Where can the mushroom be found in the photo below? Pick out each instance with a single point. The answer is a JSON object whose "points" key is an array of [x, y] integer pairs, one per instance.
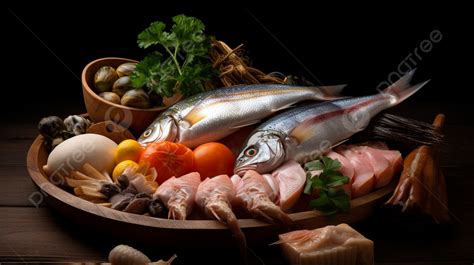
{"points": [[156, 208], [139, 204], [120, 201]]}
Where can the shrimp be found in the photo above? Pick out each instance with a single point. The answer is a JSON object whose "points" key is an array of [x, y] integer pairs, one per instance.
{"points": [[178, 195], [256, 196], [214, 197]]}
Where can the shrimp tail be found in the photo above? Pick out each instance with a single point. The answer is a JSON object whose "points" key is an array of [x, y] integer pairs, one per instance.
{"points": [[177, 212], [263, 207], [223, 213]]}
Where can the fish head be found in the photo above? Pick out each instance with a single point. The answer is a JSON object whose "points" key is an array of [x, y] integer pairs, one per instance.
{"points": [[263, 152], [162, 129]]}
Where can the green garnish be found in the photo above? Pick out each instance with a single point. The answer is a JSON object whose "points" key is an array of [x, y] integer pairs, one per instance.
{"points": [[185, 64], [329, 182]]}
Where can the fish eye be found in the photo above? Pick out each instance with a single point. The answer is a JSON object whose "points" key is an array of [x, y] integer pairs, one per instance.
{"points": [[147, 132], [251, 151]]}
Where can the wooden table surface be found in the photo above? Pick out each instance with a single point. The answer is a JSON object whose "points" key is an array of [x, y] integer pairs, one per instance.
{"points": [[30, 233]]}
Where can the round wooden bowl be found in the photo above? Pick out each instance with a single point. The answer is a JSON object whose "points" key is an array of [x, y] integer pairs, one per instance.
{"points": [[161, 231], [135, 119]]}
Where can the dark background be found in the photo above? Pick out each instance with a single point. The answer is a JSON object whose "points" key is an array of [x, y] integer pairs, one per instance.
{"points": [[47, 49]]}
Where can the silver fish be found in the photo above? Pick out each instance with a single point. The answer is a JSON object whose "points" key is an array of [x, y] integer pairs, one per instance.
{"points": [[212, 115], [306, 132]]}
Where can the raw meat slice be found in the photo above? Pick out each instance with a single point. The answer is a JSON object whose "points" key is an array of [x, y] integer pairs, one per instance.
{"points": [[290, 178], [330, 245]]}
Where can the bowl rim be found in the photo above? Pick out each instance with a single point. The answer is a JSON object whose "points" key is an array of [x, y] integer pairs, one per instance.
{"points": [[42, 181], [90, 91]]}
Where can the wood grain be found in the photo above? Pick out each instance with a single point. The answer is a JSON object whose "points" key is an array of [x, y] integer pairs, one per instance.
{"points": [[31, 234], [147, 229], [17, 189]]}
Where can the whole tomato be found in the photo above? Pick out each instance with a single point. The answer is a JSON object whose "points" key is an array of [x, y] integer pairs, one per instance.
{"points": [[213, 159], [169, 159]]}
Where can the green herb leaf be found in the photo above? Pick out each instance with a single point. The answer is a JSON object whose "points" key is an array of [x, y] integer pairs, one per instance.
{"points": [[314, 165], [320, 203], [329, 182], [337, 180], [308, 188], [187, 64], [146, 69], [330, 164], [341, 201], [188, 28], [152, 35]]}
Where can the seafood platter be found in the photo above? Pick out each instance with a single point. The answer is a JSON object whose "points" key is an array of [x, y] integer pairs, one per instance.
{"points": [[208, 147]]}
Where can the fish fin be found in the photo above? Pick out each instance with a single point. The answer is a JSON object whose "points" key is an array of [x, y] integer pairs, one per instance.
{"points": [[245, 125], [329, 92], [339, 143], [283, 107], [302, 132], [402, 89], [334, 91], [194, 117]]}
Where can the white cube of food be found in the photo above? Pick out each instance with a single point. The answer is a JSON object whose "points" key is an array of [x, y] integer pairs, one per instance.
{"points": [[330, 245]]}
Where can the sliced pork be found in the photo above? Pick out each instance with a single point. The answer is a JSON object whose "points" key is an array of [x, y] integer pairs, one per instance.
{"points": [[363, 181], [290, 179]]}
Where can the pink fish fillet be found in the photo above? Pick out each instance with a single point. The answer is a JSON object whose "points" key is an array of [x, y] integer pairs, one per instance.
{"points": [[214, 197], [253, 195], [274, 185], [395, 158], [346, 169], [178, 195], [364, 179], [290, 178], [383, 169]]}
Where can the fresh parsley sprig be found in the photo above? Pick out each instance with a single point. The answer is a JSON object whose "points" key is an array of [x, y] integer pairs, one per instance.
{"points": [[328, 182], [183, 66]]}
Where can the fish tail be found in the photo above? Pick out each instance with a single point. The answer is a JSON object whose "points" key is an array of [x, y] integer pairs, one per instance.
{"points": [[402, 89], [328, 92]]}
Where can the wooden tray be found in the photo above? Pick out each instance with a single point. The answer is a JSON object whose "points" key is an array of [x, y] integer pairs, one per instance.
{"points": [[180, 233]]}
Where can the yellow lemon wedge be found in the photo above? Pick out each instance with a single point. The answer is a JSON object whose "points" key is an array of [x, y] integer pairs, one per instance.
{"points": [[120, 167], [128, 150]]}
